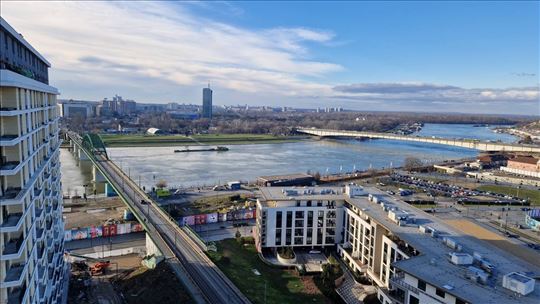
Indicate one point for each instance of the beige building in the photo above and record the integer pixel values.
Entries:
(32, 268)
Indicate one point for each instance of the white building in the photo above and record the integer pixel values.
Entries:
(299, 217)
(32, 267)
(73, 108)
(409, 255)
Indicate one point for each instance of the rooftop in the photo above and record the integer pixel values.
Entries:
(433, 264)
(285, 177)
(525, 159)
(300, 193)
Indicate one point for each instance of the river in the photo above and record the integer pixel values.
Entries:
(246, 162)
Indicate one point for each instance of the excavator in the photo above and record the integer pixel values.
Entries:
(98, 268)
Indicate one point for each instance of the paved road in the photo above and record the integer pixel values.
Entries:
(200, 275)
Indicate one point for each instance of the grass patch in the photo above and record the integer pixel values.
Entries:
(532, 195)
(126, 140)
(237, 261)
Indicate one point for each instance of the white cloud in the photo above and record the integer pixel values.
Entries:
(165, 41)
(418, 91)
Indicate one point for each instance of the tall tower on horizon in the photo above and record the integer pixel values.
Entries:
(32, 266)
(207, 102)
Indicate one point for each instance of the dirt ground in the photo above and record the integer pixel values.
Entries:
(495, 239)
(158, 285)
(92, 212)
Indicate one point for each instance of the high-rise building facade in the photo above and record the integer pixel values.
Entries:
(32, 266)
(207, 103)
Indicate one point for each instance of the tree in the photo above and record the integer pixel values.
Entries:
(411, 163)
(161, 184)
(527, 140)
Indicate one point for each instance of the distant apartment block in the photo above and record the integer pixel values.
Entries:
(411, 256)
(207, 103)
(116, 106)
(32, 267)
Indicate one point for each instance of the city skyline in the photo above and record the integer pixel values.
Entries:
(428, 57)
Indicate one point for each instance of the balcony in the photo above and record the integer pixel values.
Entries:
(38, 212)
(13, 246)
(39, 233)
(41, 251)
(14, 275)
(11, 221)
(10, 193)
(37, 192)
(16, 295)
(8, 165)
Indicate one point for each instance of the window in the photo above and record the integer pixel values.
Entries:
(460, 301)
(413, 300)
(289, 219)
(279, 219)
(440, 292)
(421, 285)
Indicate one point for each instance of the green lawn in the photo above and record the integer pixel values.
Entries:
(533, 195)
(282, 286)
(117, 140)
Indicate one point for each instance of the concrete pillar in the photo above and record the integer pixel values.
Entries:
(151, 248)
(82, 155)
(109, 190)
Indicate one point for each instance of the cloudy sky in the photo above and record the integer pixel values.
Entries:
(417, 56)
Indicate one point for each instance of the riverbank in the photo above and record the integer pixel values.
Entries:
(115, 140)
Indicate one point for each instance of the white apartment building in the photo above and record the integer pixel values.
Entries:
(32, 267)
(410, 256)
(299, 217)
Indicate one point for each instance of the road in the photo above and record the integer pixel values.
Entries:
(206, 282)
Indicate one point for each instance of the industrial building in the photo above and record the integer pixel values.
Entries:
(32, 266)
(409, 255)
(299, 179)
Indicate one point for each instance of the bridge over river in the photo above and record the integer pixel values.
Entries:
(464, 143)
(201, 277)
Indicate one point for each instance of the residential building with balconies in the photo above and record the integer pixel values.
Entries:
(410, 256)
(32, 267)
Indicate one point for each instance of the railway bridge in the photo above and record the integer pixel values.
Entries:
(201, 277)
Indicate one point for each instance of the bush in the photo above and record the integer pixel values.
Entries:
(286, 252)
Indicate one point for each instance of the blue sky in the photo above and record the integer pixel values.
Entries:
(412, 56)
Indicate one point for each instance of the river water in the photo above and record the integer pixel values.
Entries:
(246, 162)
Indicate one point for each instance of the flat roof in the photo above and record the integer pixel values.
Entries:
(285, 177)
(433, 264)
(302, 193)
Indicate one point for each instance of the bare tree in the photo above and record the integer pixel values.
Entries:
(161, 183)
(411, 163)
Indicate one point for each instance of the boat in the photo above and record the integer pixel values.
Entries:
(218, 149)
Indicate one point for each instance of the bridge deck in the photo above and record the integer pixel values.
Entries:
(464, 143)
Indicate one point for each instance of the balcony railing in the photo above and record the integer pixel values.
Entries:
(12, 220)
(16, 294)
(10, 165)
(10, 193)
(14, 273)
(13, 246)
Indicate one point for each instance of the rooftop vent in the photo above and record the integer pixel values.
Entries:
(518, 282)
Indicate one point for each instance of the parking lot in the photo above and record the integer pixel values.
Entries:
(460, 194)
